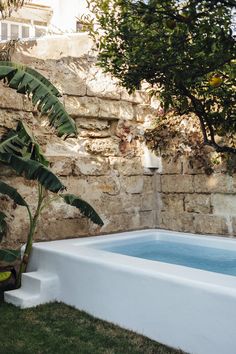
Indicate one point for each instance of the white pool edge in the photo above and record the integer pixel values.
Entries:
(182, 307)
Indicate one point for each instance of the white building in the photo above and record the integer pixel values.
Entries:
(42, 17)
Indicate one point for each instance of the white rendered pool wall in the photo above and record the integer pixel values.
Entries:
(186, 308)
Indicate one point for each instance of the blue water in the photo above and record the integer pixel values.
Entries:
(200, 257)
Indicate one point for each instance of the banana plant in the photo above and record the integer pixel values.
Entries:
(43, 93)
(20, 151)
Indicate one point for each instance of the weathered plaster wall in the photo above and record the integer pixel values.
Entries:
(103, 165)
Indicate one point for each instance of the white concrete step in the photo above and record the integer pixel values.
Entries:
(37, 288)
(21, 298)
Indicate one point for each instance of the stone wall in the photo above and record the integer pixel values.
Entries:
(191, 201)
(104, 164)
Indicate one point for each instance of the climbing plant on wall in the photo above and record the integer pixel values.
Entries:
(185, 50)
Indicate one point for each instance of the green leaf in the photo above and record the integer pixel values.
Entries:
(3, 225)
(8, 256)
(84, 207)
(33, 170)
(21, 142)
(12, 193)
(28, 81)
(4, 276)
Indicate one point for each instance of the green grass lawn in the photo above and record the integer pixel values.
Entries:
(60, 329)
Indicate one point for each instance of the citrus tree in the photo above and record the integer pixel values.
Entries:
(185, 50)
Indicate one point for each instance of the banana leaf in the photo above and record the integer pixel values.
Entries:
(33, 170)
(28, 81)
(8, 257)
(3, 225)
(21, 142)
(84, 207)
(12, 193)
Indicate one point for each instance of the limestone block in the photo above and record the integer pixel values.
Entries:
(157, 182)
(148, 184)
(62, 165)
(217, 183)
(133, 184)
(172, 202)
(70, 76)
(103, 146)
(210, 224)
(82, 106)
(120, 222)
(83, 186)
(176, 221)
(10, 99)
(131, 202)
(149, 201)
(193, 167)
(234, 226)
(6, 171)
(136, 97)
(224, 204)
(198, 203)
(61, 229)
(177, 183)
(234, 183)
(109, 204)
(101, 85)
(92, 124)
(126, 166)
(147, 219)
(171, 166)
(89, 165)
(116, 110)
(105, 184)
(70, 147)
(144, 113)
(94, 134)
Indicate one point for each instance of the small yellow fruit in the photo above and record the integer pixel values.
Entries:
(4, 276)
(215, 81)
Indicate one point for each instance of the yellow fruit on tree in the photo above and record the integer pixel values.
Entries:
(215, 81)
(4, 276)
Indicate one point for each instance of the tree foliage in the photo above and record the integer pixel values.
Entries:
(185, 50)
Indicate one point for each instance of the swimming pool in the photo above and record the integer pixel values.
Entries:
(158, 283)
(180, 253)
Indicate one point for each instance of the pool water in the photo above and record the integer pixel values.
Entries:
(201, 257)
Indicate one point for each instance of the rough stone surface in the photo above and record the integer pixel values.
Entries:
(177, 183)
(224, 204)
(176, 221)
(210, 224)
(103, 165)
(197, 203)
(133, 184)
(172, 202)
(218, 183)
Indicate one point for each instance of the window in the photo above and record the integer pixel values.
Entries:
(25, 32)
(40, 31)
(3, 31)
(14, 31)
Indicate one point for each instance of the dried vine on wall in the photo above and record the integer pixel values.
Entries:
(174, 136)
